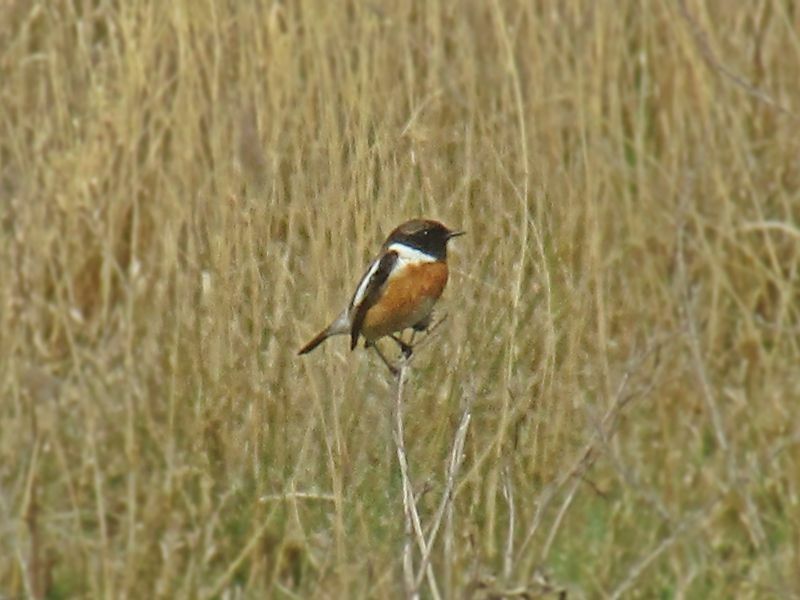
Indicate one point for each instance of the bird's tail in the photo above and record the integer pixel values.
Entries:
(340, 325)
(318, 339)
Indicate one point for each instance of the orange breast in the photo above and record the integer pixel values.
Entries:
(407, 299)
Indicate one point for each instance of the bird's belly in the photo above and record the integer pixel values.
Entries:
(408, 298)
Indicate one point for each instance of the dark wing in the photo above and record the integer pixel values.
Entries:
(371, 294)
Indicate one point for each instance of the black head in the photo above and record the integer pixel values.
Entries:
(430, 237)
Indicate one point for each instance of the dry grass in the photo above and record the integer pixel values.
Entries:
(191, 189)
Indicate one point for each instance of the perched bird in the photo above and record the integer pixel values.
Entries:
(399, 288)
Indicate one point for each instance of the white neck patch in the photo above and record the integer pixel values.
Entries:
(407, 254)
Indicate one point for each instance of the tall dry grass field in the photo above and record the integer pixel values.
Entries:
(190, 190)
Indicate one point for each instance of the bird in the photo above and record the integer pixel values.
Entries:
(398, 290)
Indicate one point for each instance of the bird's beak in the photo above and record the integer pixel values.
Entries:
(453, 234)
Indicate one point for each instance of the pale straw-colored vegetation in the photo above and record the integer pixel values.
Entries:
(190, 190)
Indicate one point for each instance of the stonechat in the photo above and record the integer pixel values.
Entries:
(398, 290)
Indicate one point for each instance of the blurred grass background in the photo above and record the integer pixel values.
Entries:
(190, 190)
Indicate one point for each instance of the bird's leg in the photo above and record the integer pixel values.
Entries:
(407, 349)
(392, 369)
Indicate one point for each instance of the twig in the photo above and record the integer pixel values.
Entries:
(640, 565)
(508, 556)
(298, 496)
(545, 497)
(700, 39)
(604, 431)
(413, 525)
(694, 347)
(222, 581)
(456, 456)
(734, 480)
(772, 225)
(559, 518)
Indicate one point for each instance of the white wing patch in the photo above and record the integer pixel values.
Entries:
(361, 291)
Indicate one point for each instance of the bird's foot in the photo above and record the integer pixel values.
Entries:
(406, 349)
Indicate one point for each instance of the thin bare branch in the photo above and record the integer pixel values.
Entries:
(456, 456)
(413, 525)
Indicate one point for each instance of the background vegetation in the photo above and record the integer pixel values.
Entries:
(190, 190)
